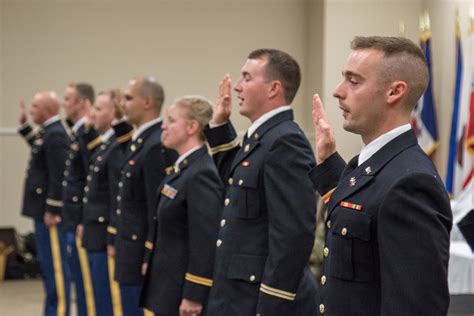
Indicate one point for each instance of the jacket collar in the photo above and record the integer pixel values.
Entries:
(360, 176)
(250, 143)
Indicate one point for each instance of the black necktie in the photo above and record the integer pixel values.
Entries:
(353, 163)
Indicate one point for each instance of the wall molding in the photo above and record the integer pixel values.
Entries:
(8, 131)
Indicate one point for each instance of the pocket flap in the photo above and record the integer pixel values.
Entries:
(351, 224)
(246, 267)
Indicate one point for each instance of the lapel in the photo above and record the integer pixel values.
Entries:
(358, 178)
(178, 171)
(249, 144)
(138, 144)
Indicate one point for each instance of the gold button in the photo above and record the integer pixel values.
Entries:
(134, 237)
(326, 251)
(252, 278)
(64, 183)
(86, 188)
(328, 224)
(321, 308)
(118, 211)
(241, 182)
(39, 190)
(68, 162)
(227, 201)
(75, 199)
(96, 169)
(84, 200)
(222, 222)
(119, 198)
(128, 174)
(218, 242)
(323, 280)
(120, 184)
(66, 173)
(101, 219)
(344, 231)
(231, 180)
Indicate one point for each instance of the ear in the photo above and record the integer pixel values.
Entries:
(396, 92)
(193, 127)
(275, 88)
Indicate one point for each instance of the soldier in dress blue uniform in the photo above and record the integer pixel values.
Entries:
(42, 196)
(78, 99)
(100, 192)
(387, 243)
(268, 220)
(179, 269)
(142, 171)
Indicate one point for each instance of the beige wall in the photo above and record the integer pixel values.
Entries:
(188, 45)
(345, 19)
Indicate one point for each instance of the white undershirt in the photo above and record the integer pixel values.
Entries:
(186, 154)
(265, 117)
(144, 127)
(371, 148)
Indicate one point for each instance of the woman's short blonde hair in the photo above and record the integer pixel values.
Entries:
(197, 108)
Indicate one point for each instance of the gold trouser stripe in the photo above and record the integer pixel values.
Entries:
(147, 312)
(58, 270)
(86, 277)
(114, 288)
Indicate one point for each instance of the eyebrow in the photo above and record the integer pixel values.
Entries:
(348, 73)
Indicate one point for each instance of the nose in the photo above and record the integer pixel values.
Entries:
(164, 126)
(238, 86)
(338, 91)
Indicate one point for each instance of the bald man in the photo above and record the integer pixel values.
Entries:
(42, 195)
(142, 170)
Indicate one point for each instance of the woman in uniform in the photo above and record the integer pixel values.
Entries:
(179, 264)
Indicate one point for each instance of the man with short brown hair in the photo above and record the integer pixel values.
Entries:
(387, 242)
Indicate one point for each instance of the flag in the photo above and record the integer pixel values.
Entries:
(424, 115)
(460, 162)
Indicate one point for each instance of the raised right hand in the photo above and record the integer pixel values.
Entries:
(23, 113)
(325, 139)
(223, 106)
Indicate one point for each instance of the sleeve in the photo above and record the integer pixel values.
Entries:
(413, 226)
(157, 161)
(325, 176)
(291, 203)
(27, 132)
(57, 146)
(91, 139)
(223, 145)
(204, 201)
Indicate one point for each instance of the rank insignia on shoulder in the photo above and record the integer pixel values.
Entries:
(353, 206)
(245, 164)
(169, 191)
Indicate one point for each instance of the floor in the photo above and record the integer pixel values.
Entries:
(24, 298)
